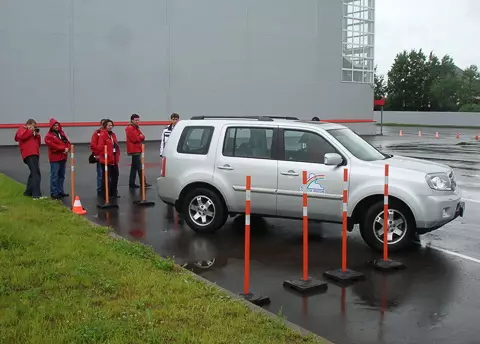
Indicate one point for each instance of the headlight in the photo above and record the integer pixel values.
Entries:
(439, 181)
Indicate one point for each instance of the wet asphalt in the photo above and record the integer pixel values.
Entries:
(434, 300)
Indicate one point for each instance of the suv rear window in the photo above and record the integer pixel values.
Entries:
(245, 142)
(195, 140)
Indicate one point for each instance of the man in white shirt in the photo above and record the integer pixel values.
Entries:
(174, 118)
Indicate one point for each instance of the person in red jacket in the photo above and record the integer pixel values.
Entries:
(95, 154)
(58, 148)
(109, 139)
(29, 140)
(134, 139)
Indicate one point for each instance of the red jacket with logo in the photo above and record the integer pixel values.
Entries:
(108, 139)
(134, 139)
(94, 141)
(56, 145)
(29, 142)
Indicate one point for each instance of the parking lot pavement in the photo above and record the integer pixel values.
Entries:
(433, 301)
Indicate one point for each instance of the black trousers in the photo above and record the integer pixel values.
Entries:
(112, 180)
(34, 179)
(135, 168)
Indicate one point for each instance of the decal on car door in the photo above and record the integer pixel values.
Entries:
(314, 183)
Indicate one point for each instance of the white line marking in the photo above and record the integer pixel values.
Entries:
(471, 200)
(450, 252)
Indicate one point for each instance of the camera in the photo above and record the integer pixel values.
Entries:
(36, 129)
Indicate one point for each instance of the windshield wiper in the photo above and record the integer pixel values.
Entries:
(387, 156)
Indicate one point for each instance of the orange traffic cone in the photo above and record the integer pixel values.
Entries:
(436, 135)
(401, 134)
(77, 207)
(476, 137)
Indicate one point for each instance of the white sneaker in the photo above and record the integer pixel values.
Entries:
(37, 198)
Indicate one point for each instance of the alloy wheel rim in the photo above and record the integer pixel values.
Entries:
(201, 210)
(397, 226)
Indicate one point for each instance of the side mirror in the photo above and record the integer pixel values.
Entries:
(332, 159)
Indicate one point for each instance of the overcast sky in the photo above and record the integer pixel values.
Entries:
(444, 26)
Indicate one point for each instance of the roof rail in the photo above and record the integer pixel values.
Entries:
(290, 118)
(259, 118)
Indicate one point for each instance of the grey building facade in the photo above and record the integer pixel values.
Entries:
(83, 60)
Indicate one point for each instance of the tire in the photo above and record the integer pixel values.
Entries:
(401, 214)
(214, 206)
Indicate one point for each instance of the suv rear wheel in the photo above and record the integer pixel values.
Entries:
(401, 227)
(204, 210)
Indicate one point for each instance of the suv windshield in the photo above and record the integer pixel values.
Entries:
(360, 148)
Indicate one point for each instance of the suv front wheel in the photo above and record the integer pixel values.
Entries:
(401, 227)
(204, 210)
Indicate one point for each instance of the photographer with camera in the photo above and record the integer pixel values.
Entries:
(29, 140)
(58, 149)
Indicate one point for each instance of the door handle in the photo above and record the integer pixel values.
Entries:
(290, 173)
(225, 167)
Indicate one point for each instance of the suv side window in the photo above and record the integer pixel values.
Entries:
(305, 146)
(195, 140)
(244, 142)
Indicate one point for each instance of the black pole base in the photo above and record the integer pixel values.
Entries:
(308, 286)
(388, 265)
(257, 300)
(107, 206)
(344, 277)
(144, 203)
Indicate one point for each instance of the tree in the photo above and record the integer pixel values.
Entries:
(470, 108)
(406, 82)
(444, 93)
(443, 85)
(380, 90)
(469, 92)
(418, 83)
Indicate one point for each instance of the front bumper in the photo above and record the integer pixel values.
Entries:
(457, 210)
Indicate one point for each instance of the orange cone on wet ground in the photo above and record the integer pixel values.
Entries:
(77, 207)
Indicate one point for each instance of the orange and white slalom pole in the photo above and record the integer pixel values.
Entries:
(107, 200)
(143, 201)
(385, 215)
(305, 284)
(107, 204)
(246, 283)
(344, 220)
(386, 264)
(258, 300)
(305, 227)
(344, 275)
(72, 161)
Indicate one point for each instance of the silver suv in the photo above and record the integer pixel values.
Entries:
(206, 160)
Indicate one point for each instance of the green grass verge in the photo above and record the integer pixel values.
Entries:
(426, 126)
(64, 280)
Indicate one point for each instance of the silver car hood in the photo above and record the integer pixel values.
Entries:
(418, 165)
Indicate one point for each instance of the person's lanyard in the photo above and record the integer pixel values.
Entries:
(114, 146)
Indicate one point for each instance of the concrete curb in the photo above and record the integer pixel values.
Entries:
(234, 296)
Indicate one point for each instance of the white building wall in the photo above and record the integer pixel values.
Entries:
(83, 60)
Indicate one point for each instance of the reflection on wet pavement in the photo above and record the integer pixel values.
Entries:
(435, 300)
